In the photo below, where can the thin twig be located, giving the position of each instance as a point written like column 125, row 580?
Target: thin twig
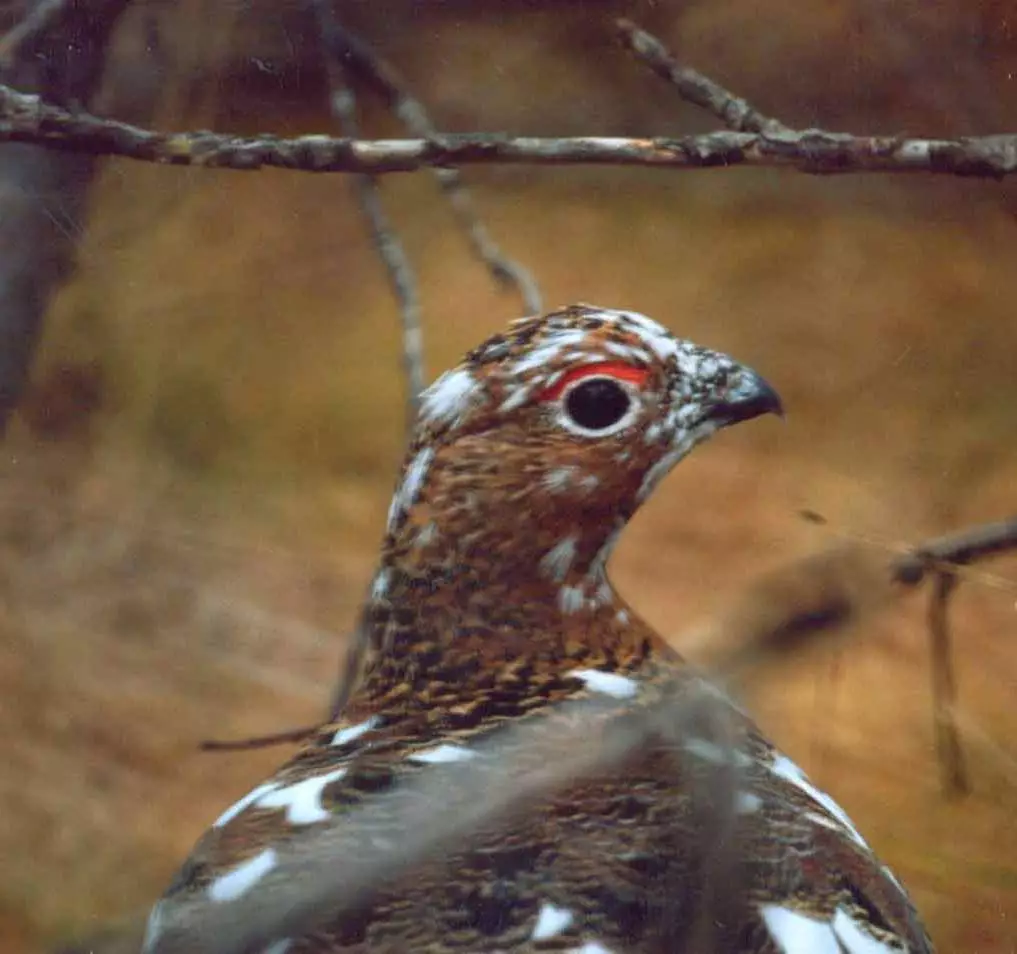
column 358, row 57
column 957, row 549
column 20, row 40
column 944, row 689
column 26, row 118
column 911, row 563
column 815, row 597
column 946, row 558
column 342, row 101
column 285, row 737
column 505, row 270
column 735, row 113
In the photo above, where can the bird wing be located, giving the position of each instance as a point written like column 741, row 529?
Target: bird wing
column 589, row 826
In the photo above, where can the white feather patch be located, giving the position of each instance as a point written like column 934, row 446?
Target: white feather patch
column 518, row 396
column 550, row 921
column 406, row 496
column 240, row 880
column 546, row 352
column 279, row 947
column 655, row 336
column 796, row 933
column 786, row 769
column 302, row 800
column 854, row 939
column 353, row 732
column 442, row 754
column 556, row 563
column 449, row 398
column 379, row 586
column 571, row 599
column 560, row 479
column 153, row 928
column 607, row 683
column 747, row 803
column 227, row 816
column 715, row 754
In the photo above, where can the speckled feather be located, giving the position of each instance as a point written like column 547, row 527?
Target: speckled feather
column 491, row 610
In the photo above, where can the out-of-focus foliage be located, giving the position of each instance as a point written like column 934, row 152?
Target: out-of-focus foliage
column 192, row 497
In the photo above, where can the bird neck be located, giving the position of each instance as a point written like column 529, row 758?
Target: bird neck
column 494, row 561
column 449, row 613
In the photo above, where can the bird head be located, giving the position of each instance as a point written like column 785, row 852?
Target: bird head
column 531, row 455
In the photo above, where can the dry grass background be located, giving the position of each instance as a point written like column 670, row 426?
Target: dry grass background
column 183, row 561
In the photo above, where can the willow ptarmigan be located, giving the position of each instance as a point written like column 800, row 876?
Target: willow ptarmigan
column 490, row 625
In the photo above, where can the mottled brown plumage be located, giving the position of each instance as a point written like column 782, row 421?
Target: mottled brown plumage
column 492, row 638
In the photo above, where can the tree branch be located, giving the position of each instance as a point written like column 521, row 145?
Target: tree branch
column 358, row 58
column 952, row 766
column 812, row 598
column 956, row 549
column 57, row 48
column 23, row 38
column 735, row 113
column 343, row 103
column 347, row 58
column 26, row 118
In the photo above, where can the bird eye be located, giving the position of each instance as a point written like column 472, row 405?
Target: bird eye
column 595, row 405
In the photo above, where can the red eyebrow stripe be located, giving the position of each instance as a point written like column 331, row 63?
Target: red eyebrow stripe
column 609, row 369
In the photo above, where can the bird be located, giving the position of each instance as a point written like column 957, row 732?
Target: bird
column 517, row 761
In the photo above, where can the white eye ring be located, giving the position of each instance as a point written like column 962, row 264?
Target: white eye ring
column 566, row 419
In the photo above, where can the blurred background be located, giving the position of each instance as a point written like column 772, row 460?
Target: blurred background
column 193, row 487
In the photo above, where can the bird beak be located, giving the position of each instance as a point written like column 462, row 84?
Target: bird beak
column 747, row 395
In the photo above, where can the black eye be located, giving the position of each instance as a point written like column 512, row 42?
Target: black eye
column 597, row 404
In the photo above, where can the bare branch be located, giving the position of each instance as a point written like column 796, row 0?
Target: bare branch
column 505, row 270
column 284, row 737
column 25, row 34
column 733, row 112
column 344, row 108
column 790, row 607
column 944, row 689
column 58, row 49
column 26, row 118
column 957, row 549
column 801, row 603
column 358, row 57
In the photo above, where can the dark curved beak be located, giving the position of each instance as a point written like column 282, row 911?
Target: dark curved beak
column 747, row 395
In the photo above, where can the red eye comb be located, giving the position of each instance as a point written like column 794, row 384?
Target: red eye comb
column 606, row 369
